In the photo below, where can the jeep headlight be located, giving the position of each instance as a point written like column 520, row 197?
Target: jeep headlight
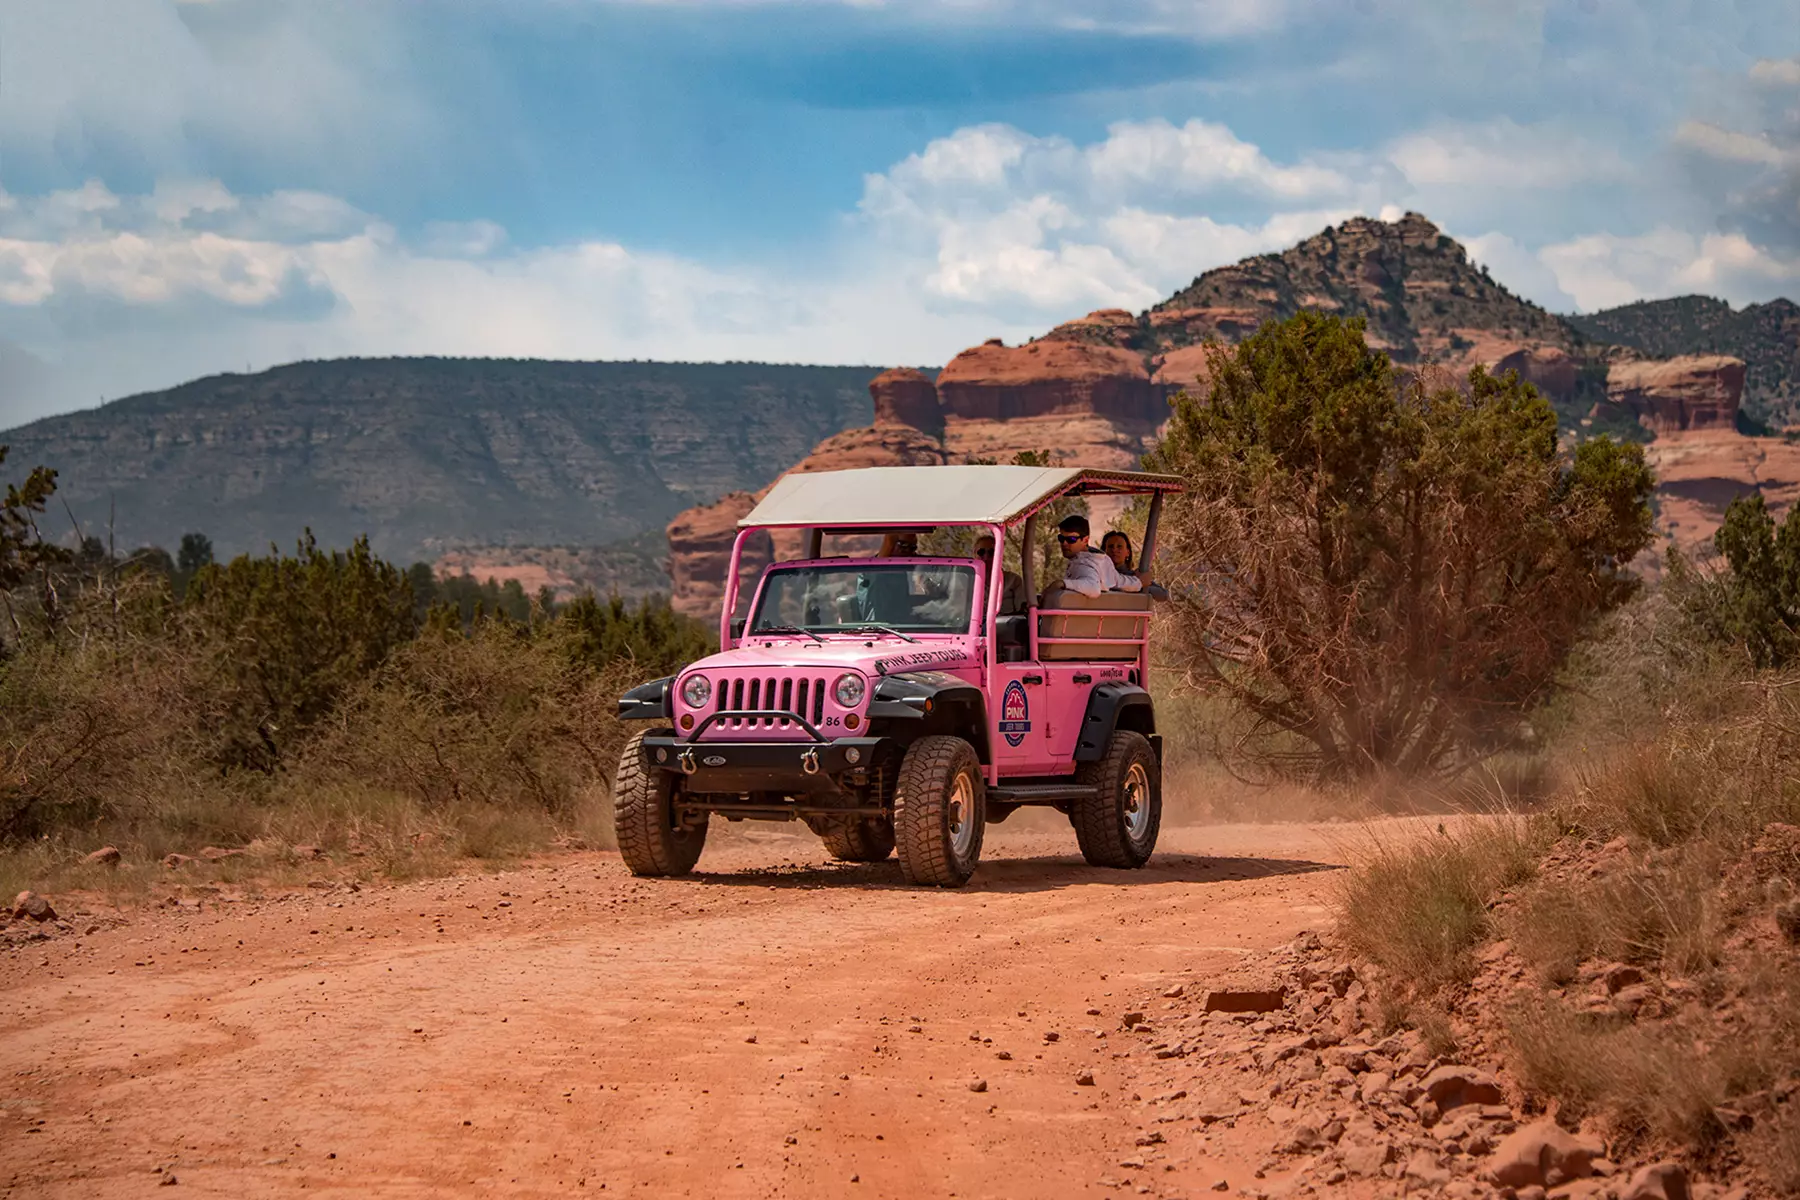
column 696, row 690
column 848, row 690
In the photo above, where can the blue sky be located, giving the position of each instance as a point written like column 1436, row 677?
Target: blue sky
column 193, row 186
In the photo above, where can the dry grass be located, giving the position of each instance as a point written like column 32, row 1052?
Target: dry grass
column 1663, row 912
column 1644, row 1082
column 1419, row 908
column 1648, row 843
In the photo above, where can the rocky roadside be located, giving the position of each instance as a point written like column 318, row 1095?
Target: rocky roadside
column 1289, row 1053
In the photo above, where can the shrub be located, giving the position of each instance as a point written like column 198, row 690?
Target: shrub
column 1387, row 570
column 500, row 719
column 280, row 639
column 1753, row 605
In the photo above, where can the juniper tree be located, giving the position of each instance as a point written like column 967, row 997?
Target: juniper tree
column 1384, row 568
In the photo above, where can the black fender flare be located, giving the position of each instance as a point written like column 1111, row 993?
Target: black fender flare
column 647, row 701
column 927, row 697
column 1112, row 706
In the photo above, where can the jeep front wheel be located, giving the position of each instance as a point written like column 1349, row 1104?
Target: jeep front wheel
column 870, row 839
column 940, row 803
column 652, row 839
column 1117, row 824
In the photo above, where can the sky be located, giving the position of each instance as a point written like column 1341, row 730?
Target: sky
column 190, row 187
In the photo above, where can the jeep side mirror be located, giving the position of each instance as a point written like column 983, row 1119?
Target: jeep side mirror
column 737, row 628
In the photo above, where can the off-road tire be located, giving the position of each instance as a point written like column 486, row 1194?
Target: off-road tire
column 650, row 841
column 926, row 826
column 870, row 839
column 1110, row 832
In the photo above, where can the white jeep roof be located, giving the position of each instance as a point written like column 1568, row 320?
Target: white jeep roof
column 890, row 497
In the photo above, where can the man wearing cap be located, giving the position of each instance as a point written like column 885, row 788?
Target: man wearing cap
column 1089, row 572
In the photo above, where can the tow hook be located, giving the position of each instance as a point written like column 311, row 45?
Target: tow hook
column 686, row 761
column 809, row 762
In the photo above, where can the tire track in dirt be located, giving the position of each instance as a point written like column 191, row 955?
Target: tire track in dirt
column 562, row 1027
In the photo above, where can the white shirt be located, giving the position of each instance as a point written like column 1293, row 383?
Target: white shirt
column 1090, row 573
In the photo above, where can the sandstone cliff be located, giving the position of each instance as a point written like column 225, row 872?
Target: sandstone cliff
column 1679, row 394
column 1765, row 336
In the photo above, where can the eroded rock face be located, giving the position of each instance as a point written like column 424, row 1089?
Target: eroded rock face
column 995, row 382
column 904, row 396
column 700, row 541
column 1551, row 369
column 1673, row 395
column 1698, row 474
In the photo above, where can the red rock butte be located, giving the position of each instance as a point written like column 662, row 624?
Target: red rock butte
column 1095, row 391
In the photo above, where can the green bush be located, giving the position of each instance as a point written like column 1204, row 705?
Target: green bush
column 502, row 717
column 280, row 639
column 1753, row 604
column 1387, row 569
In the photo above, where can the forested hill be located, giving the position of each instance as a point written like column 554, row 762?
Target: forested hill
column 417, row 452
column 1765, row 336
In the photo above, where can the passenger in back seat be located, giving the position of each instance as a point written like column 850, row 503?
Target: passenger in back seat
column 1117, row 546
column 1089, row 572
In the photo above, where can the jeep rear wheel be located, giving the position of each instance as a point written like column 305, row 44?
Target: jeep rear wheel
column 870, row 839
column 1117, row 825
column 940, row 803
column 652, row 841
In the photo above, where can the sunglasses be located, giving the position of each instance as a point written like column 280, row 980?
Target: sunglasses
column 1069, row 539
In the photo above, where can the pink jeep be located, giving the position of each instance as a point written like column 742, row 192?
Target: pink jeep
column 889, row 702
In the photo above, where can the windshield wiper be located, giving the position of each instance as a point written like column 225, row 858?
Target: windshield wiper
column 762, row 629
column 882, row 629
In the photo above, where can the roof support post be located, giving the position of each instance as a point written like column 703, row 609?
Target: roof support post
column 1028, row 558
column 990, row 663
column 728, row 609
column 1028, row 573
column 815, row 543
column 1150, row 525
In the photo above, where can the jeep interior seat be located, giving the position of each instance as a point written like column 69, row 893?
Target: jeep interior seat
column 1103, row 629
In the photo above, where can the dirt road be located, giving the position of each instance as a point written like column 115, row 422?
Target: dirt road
column 777, row 1025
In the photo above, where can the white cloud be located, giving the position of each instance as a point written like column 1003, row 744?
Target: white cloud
column 1502, row 154
column 1038, row 228
column 1776, row 72
column 1519, row 270
column 1732, row 146
column 1603, row 270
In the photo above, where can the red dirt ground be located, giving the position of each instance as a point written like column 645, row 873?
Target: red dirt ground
column 776, row 1025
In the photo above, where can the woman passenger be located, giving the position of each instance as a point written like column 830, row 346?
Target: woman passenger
column 1117, row 546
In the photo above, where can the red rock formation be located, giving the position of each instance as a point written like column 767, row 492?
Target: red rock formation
column 1103, row 327
column 1551, row 369
column 1697, row 391
column 700, row 542
column 1182, row 369
column 1699, row 473
column 700, row 539
column 1052, row 375
column 1199, row 324
column 906, row 397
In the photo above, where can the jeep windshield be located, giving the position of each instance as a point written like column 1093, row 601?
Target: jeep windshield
column 855, row 597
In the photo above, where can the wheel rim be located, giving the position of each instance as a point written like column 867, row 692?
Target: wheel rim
column 1137, row 802
column 960, row 813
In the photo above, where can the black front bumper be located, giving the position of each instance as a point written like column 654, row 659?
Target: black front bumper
column 791, row 768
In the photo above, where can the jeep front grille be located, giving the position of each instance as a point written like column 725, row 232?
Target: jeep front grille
column 803, row 696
